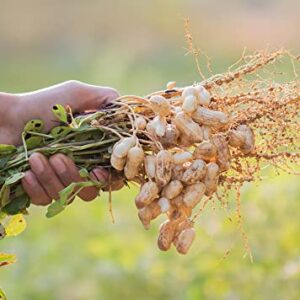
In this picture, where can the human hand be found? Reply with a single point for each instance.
(48, 177)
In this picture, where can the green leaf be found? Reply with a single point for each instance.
(2, 232)
(2, 295)
(3, 215)
(14, 178)
(83, 136)
(68, 192)
(16, 225)
(7, 259)
(17, 205)
(3, 161)
(84, 173)
(4, 195)
(66, 195)
(60, 131)
(54, 209)
(34, 142)
(60, 113)
(34, 125)
(7, 149)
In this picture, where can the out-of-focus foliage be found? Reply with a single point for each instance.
(137, 47)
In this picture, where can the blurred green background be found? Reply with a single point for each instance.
(137, 46)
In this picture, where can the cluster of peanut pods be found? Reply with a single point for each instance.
(192, 148)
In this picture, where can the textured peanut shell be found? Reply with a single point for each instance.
(166, 235)
(223, 152)
(172, 189)
(211, 118)
(182, 157)
(117, 162)
(185, 240)
(188, 127)
(122, 147)
(211, 178)
(206, 151)
(164, 164)
(135, 158)
(189, 104)
(170, 138)
(193, 194)
(149, 191)
(195, 172)
(150, 166)
(248, 133)
(160, 105)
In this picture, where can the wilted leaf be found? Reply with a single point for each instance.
(16, 225)
(60, 112)
(4, 195)
(14, 178)
(2, 295)
(2, 232)
(7, 259)
(34, 125)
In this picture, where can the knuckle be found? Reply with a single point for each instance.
(73, 84)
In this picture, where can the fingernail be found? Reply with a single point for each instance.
(37, 164)
(100, 174)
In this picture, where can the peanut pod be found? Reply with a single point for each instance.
(188, 127)
(149, 192)
(135, 158)
(211, 178)
(164, 164)
(193, 194)
(195, 172)
(211, 118)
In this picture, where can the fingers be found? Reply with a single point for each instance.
(91, 97)
(45, 175)
(34, 190)
(67, 173)
(48, 177)
(116, 181)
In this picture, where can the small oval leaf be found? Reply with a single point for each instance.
(60, 131)
(34, 125)
(34, 142)
(7, 259)
(16, 225)
(7, 149)
(14, 178)
(60, 113)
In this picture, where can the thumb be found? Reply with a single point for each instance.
(91, 97)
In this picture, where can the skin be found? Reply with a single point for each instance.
(47, 177)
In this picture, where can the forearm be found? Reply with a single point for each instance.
(9, 111)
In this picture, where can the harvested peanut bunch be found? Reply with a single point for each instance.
(183, 146)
